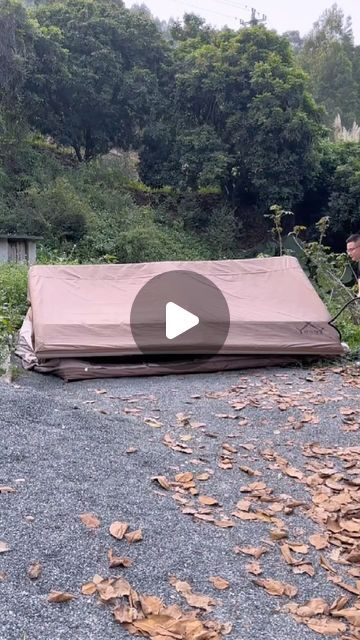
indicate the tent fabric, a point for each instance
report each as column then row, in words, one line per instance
column 81, row 313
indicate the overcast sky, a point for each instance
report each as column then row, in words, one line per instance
column 282, row 15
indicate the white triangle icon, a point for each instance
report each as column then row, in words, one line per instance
column 178, row 320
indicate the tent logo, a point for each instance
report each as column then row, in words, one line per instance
column 310, row 329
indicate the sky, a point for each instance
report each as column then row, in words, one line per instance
column 282, row 15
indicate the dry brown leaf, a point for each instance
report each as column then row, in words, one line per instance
column 257, row 552
column 5, row 489
column 249, row 471
column 314, row 607
column 132, row 450
column 151, row 605
column 224, row 524
column 162, row 481
column 203, row 476
column 353, row 556
column 204, row 517
column 293, row 473
column 90, row 520
column 254, row 568
column 319, row 541
column 326, row 626
column 326, row 565
column 220, row 583
column 118, row 561
column 123, row 613
column 153, row 422
column 353, row 615
column 244, row 505
column 348, row 587
column 278, row 534
column 3, row 576
column 298, row 548
column 245, row 515
column 184, row 478
column 88, row 589
column 193, row 599
column 4, row 546
column 134, row 536
column 60, row 596
column 121, row 587
column 276, row 588
column 305, row 568
column 285, row 552
column 34, row 571
column 207, row 500
column 118, row 529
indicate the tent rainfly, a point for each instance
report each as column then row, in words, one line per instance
column 78, row 322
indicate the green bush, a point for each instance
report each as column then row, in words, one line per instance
column 13, row 303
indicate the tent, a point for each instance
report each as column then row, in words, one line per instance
column 78, row 322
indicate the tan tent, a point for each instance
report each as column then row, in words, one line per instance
column 78, row 323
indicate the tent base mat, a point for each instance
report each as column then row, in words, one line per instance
column 71, row 369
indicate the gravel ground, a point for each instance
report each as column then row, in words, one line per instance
column 63, row 446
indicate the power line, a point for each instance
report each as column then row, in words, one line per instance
column 188, row 4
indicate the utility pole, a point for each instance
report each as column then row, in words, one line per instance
column 256, row 18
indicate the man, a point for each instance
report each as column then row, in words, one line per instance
column 353, row 251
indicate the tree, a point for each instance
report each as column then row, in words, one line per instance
column 96, row 74
column 15, row 51
column 242, row 119
column 328, row 57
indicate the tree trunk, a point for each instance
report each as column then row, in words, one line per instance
column 89, row 145
column 77, row 150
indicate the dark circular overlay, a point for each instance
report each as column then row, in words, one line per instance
column 196, row 295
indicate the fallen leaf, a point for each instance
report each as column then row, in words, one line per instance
column 254, row 568
column 319, row 541
column 353, row 615
column 123, row 613
column 34, row 571
column 224, row 524
column 304, row 568
column 276, row 588
column 134, row 536
column 203, row 476
column 278, row 534
column 90, row 520
column 257, row 552
column 207, row 500
column 162, row 481
column 326, row 626
column 220, row 583
column 4, row 547
column 131, row 450
column 298, row 548
column 118, row 561
column 60, row 596
column 184, row 477
column 5, row 489
column 88, row 589
column 153, row 422
column 293, row 473
column 326, row 565
column 314, row 607
column 118, row 529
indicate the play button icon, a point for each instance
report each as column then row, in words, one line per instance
column 179, row 315
column 178, row 320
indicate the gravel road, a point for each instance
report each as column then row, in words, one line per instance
column 94, row 447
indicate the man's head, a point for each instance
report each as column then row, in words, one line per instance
column 353, row 247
